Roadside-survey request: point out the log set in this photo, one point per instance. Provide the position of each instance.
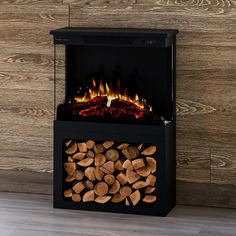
(97, 110)
(112, 172)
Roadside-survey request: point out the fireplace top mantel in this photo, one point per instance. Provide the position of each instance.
(114, 36)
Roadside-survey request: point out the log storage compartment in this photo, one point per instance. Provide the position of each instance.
(114, 128)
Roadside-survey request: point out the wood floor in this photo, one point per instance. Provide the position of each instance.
(33, 215)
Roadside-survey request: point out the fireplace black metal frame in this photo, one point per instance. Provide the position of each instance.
(163, 136)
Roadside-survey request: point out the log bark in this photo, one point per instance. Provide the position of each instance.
(71, 150)
(149, 151)
(69, 159)
(112, 155)
(101, 189)
(89, 196)
(69, 179)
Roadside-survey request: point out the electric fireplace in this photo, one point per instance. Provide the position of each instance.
(114, 128)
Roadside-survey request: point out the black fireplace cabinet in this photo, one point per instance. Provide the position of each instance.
(146, 59)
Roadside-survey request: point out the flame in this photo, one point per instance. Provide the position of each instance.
(107, 90)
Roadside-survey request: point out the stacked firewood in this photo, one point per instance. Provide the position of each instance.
(110, 172)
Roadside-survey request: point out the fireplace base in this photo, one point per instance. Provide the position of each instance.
(161, 136)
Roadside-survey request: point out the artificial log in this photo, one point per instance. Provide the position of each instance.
(99, 148)
(108, 144)
(69, 178)
(76, 197)
(90, 154)
(125, 191)
(78, 175)
(90, 173)
(135, 197)
(144, 171)
(78, 187)
(89, 196)
(112, 155)
(128, 165)
(123, 146)
(68, 193)
(100, 159)
(98, 173)
(108, 167)
(149, 190)
(115, 187)
(151, 180)
(130, 152)
(132, 176)
(82, 147)
(149, 199)
(139, 184)
(122, 178)
(101, 189)
(102, 199)
(109, 179)
(138, 163)
(86, 162)
(149, 151)
(119, 165)
(71, 150)
(117, 198)
(79, 156)
(152, 163)
(88, 184)
(70, 167)
(90, 144)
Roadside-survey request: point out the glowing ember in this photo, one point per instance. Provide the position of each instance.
(101, 89)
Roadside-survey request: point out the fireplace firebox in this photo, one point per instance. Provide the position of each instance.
(114, 127)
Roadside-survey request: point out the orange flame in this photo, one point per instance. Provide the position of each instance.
(107, 90)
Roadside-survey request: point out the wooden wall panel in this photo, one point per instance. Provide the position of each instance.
(206, 84)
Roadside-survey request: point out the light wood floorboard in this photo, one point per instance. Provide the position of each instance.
(33, 215)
